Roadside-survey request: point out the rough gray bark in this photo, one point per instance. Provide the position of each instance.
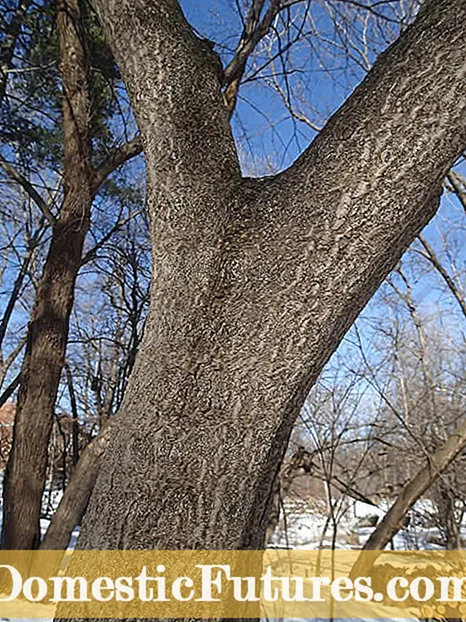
(256, 281)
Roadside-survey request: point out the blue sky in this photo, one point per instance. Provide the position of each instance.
(269, 139)
(323, 67)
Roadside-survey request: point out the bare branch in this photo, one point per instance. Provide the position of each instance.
(90, 255)
(13, 355)
(117, 157)
(7, 46)
(459, 186)
(255, 29)
(425, 477)
(29, 188)
(11, 388)
(434, 260)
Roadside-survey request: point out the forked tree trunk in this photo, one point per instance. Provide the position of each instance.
(49, 324)
(256, 281)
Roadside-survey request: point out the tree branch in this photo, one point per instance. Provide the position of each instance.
(12, 172)
(74, 502)
(434, 260)
(192, 165)
(173, 80)
(121, 222)
(255, 29)
(459, 186)
(365, 187)
(7, 46)
(416, 487)
(117, 157)
(11, 388)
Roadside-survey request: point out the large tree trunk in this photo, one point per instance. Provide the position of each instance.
(256, 281)
(49, 324)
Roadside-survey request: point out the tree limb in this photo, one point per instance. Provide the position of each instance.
(117, 157)
(255, 29)
(393, 519)
(18, 283)
(74, 502)
(30, 190)
(11, 388)
(121, 222)
(7, 46)
(174, 75)
(458, 183)
(434, 260)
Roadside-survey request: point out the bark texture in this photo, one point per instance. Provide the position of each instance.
(49, 324)
(256, 281)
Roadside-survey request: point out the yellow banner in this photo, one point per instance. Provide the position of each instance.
(233, 584)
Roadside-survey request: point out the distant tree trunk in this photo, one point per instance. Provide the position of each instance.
(256, 281)
(452, 526)
(49, 324)
(393, 520)
(74, 414)
(76, 497)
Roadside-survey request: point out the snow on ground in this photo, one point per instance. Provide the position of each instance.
(303, 527)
